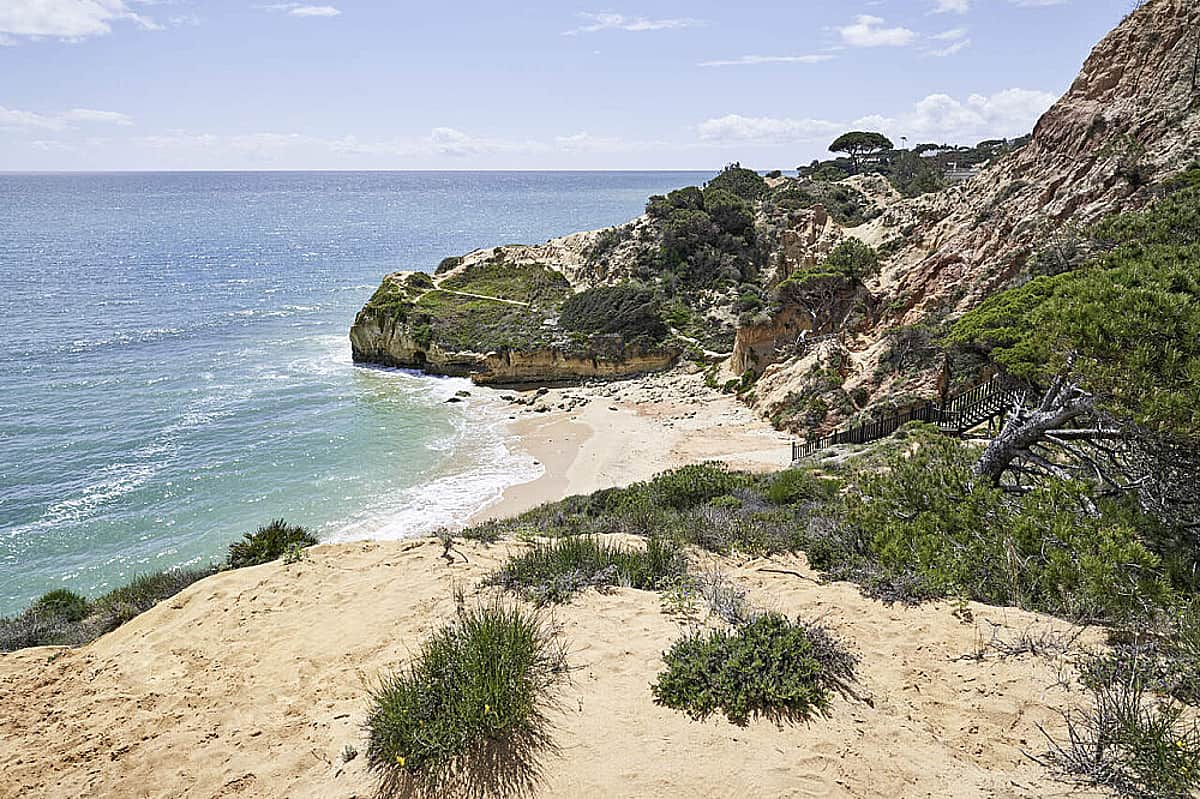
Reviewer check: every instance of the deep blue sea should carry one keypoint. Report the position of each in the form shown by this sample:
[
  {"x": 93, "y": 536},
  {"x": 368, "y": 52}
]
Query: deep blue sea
[{"x": 175, "y": 368}]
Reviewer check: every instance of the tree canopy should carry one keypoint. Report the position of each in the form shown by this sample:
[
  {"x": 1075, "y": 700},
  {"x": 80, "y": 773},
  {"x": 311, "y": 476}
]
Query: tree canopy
[
  {"x": 860, "y": 143},
  {"x": 1124, "y": 328},
  {"x": 737, "y": 180}
]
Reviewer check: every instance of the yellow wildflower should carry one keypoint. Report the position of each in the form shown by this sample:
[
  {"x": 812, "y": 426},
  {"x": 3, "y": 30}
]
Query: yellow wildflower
[{"x": 400, "y": 759}]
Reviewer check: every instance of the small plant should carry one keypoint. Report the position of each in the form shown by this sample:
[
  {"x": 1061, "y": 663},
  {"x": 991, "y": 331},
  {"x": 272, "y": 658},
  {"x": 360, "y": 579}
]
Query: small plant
[
  {"x": 268, "y": 543},
  {"x": 294, "y": 553},
  {"x": 553, "y": 572},
  {"x": 770, "y": 667},
  {"x": 1132, "y": 742},
  {"x": 468, "y": 717},
  {"x": 799, "y": 485},
  {"x": 142, "y": 593},
  {"x": 61, "y": 605},
  {"x": 349, "y": 753}
]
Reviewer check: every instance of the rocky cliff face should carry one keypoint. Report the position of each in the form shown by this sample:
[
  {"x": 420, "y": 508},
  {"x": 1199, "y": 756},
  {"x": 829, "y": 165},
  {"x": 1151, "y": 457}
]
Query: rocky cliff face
[
  {"x": 720, "y": 264},
  {"x": 1129, "y": 120}
]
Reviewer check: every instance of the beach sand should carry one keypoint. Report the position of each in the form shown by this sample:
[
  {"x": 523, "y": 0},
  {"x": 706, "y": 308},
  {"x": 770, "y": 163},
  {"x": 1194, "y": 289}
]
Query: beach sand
[
  {"x": 613, "y": 434},
  {"x": 251, "y": 683}
]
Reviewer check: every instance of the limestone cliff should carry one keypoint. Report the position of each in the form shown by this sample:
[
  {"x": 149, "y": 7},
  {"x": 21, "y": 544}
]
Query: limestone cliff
[{"x": 740, "y": 269}]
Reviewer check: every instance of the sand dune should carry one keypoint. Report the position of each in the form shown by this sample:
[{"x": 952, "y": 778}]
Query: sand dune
[{"x": 250, "y": 683}]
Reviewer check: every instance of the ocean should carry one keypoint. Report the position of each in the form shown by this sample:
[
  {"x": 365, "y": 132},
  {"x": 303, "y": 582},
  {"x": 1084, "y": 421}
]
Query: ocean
[{"x": 175, "y": 369}]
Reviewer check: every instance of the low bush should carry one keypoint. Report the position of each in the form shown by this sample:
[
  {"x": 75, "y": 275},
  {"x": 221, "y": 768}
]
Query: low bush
[
  {"x": 799, "y": 485},
  {"x": 268, "y": 543},
  {"x": 1131, "y": 741},
  {"x": 468, "y": 716},
  {"x": 770, "y": 667},
  {"x": 687, "y": 486},
  {"x": 925, "y": 518},
  {"x": 144, "y": 592},
  {"x": 553, "y": 572},
  {"x": 628, "y": 309},
  {"x": 64, "y": 618},
  {"x": 61, "y": 605}
]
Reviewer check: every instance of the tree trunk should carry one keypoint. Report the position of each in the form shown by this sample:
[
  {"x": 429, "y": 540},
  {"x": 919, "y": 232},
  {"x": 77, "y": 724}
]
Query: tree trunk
[{"x": 1021, "y": 431}]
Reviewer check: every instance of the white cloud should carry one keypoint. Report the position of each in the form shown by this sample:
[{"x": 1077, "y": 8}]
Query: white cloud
[
  {"x": 302, "y": 10},
  {"x": 733, "y": 128},
  {"x": 69, "y": 20},
  {"x": 620, "y": 22},
  {"x": 12, "y": 119},
  {"x": 768, "y": 59},
  {"x": 314, "y": 11},
  {"x": 869, "y": 31},
  {"x": 951, "y": 6},
  {"x": 952, "y": 35},
  {"x": 938, "y": 117}
]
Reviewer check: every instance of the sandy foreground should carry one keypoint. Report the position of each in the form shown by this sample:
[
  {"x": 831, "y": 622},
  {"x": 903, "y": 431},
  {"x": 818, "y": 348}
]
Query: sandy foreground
[{"x": 251, "y": 683}]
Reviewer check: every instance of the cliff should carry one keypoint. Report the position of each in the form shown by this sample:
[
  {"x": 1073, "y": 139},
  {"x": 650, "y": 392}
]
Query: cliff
[
  {"x": 753, "y": 272},
  {"x": 494, "y": 316}
]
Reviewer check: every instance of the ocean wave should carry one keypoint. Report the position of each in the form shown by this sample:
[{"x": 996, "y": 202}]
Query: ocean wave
[{"x": 484, "y": 462}]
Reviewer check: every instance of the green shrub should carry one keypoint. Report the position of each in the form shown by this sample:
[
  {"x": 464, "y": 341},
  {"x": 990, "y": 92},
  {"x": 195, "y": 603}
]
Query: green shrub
[
  {"x": 853, "y": 259},
  {"x": 687, "y": 486},
  {"x": 268, "y": 543},
  {"x": 628, "y": 309},
  {"x": 61, "y": 605},
  {"x": 743, "y": 183},
  {"x": 64, "y": 618},
  {"x": 553, "y": 572},
  {"x": 1131, "y": 741},
  {"x": 799, "y": 485},
  {"x": 468, "y": 716},
  {"x": 1046, "y": 551},
  {"x": 770, "y": 667},
  {"x": 144, "y": 592}
]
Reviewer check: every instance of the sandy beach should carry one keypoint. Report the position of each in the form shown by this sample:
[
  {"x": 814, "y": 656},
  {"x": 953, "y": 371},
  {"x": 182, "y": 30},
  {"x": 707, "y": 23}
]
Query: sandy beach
[
  {"x": 610, "y": 434},
  {"x": 253, "y": 682}
]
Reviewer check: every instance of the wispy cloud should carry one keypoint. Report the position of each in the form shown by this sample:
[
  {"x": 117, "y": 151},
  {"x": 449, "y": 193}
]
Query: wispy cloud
[
  {"x": 594, "y": 23},
  {"x": 951, "y": 6},
  {"x": 938, "y": 117},
  {"x": 66, "y": 20},
  {"x": 956, "y": 41},
  {"x": 302, "y": 10},
  {"x": 12, "y": 119},
  {"x": 869, "y": 31},
  {"x": 768, "y": 59}
]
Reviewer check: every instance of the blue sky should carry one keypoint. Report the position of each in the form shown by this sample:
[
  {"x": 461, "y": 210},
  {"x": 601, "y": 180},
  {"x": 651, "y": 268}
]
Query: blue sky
[{"x": 524, "y": 84}]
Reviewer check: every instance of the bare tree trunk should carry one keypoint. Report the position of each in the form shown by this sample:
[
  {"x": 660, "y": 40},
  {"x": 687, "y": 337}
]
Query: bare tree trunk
[{"x": 1061, "y": 404}]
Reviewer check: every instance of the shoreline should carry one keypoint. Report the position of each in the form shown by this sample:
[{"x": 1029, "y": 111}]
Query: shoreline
[{"x": 603, "y": 435}]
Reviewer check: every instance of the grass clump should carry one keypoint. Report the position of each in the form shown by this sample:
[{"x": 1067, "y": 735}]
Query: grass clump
[
  {"x": 554, "y": 571},
  {"x": 64, "y": 618},
  {"x": 61, "y": 605},
  {"x": 269, "y": 543},
  {"x": 769, "y": 666},
  {"x": 1131, "y": 740},
  {"x": 468, "y": 717}
]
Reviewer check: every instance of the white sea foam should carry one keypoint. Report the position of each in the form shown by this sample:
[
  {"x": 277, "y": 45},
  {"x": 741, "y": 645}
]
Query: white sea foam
[{"x": 482, "y": 461}]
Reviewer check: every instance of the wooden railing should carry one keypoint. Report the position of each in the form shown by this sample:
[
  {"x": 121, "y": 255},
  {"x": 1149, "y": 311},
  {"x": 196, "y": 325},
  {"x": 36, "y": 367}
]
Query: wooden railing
[{"x": 953, "y": 416}]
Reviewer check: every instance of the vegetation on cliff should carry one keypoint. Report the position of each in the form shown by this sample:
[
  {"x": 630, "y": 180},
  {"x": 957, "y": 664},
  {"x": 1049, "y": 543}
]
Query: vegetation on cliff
[{"x": 65, "y": 618}]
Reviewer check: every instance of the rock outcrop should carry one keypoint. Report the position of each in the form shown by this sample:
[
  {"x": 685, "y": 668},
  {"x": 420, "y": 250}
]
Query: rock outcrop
[{"x": 746, "y": 274}]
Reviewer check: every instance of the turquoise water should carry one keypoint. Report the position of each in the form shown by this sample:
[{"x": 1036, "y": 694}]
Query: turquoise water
[{"x": 175, "y": 368}]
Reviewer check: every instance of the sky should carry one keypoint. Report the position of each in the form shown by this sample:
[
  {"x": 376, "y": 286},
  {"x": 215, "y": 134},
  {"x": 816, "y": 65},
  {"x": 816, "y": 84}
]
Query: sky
[{"x": 520, "y": 84}]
